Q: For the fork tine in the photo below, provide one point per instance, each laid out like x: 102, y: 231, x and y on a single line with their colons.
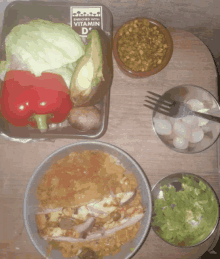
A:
x: 156, y: 110
x: 159, y: 106
x: 157, y: 95
x: 162, y: 101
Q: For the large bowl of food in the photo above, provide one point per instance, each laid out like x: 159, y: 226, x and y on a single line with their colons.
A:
x: 142, y: 47
x: 188, y: 134
x: 88, y: 200
x: 185, y: 210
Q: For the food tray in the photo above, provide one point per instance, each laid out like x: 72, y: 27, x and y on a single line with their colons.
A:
x: 21, y: 12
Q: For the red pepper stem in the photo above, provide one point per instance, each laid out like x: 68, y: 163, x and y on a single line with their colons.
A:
x: 41, y: 120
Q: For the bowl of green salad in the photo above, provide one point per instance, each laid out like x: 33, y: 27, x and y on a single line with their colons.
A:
x: 185, y: 210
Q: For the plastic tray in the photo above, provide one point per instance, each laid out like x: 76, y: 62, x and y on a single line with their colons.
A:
x: 82, y: 18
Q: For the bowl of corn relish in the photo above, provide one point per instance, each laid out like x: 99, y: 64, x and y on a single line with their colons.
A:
x: 142, y: 47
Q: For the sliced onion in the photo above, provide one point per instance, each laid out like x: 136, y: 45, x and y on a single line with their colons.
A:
x: 180, y: 143
x: 197, y: 135
x: 162, y: 126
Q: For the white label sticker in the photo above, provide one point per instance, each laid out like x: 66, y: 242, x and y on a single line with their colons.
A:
x: 86, y: 18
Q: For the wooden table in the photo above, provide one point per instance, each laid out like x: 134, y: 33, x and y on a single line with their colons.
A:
x: 129, y: 128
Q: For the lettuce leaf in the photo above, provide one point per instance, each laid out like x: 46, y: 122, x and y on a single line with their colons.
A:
x: 65, y: 71
x: 192, y: 218
x: 42, y: 45
x: 4, y: 67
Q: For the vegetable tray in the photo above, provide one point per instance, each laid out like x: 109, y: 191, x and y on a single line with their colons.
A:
x: 21, y: 12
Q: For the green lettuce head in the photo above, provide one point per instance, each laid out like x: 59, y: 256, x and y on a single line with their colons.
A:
x: 40, y: 46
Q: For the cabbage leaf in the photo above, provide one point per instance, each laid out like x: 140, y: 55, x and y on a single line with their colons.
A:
x: 4, y: 67
x: 65, y: 71
x: 41, y: 45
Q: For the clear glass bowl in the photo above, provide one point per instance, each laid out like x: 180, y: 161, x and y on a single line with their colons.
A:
x: 184, y: 93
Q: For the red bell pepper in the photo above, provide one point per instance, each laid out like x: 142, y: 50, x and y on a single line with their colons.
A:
x: 27, y: 99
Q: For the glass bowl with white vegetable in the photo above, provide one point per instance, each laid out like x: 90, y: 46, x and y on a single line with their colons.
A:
x: 188, y: 134
x: 185, y: 210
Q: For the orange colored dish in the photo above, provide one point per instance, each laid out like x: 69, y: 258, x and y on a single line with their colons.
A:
x: 88, y: 200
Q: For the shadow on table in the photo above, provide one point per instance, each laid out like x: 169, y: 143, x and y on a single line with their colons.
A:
x: 211, y: 38
x: 213, y: 254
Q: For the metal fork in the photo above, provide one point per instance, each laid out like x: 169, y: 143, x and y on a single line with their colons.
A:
x: 173, y: 108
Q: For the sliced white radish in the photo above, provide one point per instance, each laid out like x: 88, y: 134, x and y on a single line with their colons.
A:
x: 186, y: 131
x: 195, y: 104
x: 160, y: 116
x: 180, y: 143
x: 197, y: 135
x: 181, y: 129
x: 191, y: 120
x: 173, y: 120
x: 162, y: 126
x: 202, y: 121
x: 206, y: 128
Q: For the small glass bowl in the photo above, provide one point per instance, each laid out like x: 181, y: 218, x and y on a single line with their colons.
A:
x: 183, y: 93
x: 165, y: 61
x: 173, y: 180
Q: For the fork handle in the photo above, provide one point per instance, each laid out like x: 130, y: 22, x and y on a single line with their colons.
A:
x: 207, y: 116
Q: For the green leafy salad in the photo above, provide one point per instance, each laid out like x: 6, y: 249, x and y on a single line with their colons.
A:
x: 186, y: 217
x: 42, y: 46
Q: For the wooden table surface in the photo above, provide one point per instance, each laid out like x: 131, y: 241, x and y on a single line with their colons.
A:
x: 129, y: 128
